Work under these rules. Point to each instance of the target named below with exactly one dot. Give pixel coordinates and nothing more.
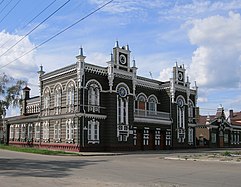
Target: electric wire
(10, 11)
(5, 6)
(34, 28)
(31, 20)
(52, 37)
(1, 2)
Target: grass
(36, 151)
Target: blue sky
(204, 35)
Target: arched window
(57, 99)
(70, 96)
(180, 119)
(46, 100)
(141, 102)
(93, 97)
(152, 105)
(190, 111)
(122, 112)
(141, 108)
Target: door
(139, 139)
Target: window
(57, 99)
(93, 97)
(70, 96)
(168, 137)
(158, 136)
(69, 131)
(134, 136)
(225, 137)
(122, 112)
(23, 131)
(30, 132)
(190, 136)
(152, 105)
(141, 102)
(180, 119)
(37, 131)
(213, 138)
(17, 132)
(93, 131)
(190, 111)
(146, 137)
(57, 131)
(46, 100)
(11, 135)
(46, 131)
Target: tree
(10, 90)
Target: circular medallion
(180, 76)
(122, 92)
(122, 59)
(180, 102)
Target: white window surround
(57, 131)
(168, 137)
(93, 132)
(190, 136)
(30, 132)
(70, 94)
(152, 105)
(158, 137)
(17, 130)
(146, 136)
(93, 97)
(69, 131)
(46, 131)
(11, 134)
(180, 119)
(57, 99)
(190, 111)
(37, 131)
(23, 131)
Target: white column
(122, 110)
(127, 122)
(117, 110)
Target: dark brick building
(84, 107)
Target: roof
(26, 88)
(203, 120)
(236, 118)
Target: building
(84, 107)
(218, 131)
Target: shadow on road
(36, 168)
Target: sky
(205, 35)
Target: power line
(5, 6)
(1, 2)
(10, 11)
(31, 20)
(83, 18)
(34, 28)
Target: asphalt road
(24, 169)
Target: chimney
(230, 113)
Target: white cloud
(21, 68)
(165, 74)
(187, 10)
(216, 61)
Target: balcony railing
(151, 114)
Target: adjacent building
(219, 131)
(85, 107)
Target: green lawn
(36, 151)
